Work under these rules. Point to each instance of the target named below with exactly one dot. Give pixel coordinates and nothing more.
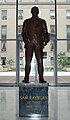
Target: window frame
(67, 14)
(3, 31)
(4, 14)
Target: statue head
(34, 11)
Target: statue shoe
(24, 81)
(42, 81)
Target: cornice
(33, 3)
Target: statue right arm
(24, 36)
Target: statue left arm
(45, 33)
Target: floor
(10, 77)
(59, 104)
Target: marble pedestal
(33, 99)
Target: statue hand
(26, 43)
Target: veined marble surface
(59, 104)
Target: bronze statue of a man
(35, 36)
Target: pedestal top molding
(32, 84)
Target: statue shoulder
(26, 20)
(42, 20)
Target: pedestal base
(33, 99)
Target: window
(68, 1)
(20, 1)
(20, 38)
(51, 46)
(4, 14)
(68, 60)
(52, 1)
(68, 35)
(68, 31)
(68, 45)
(3, 1)
(3, 60)
(68, 14)
(21, 46)
(20, 14)
(52, 14)
(52, 30)
(19, 29)
(3, 31)
(21, 60)
(44, 54)
(36, 1)
(3, 46)
(68, 38)
(52, 60)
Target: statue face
(35, 11)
